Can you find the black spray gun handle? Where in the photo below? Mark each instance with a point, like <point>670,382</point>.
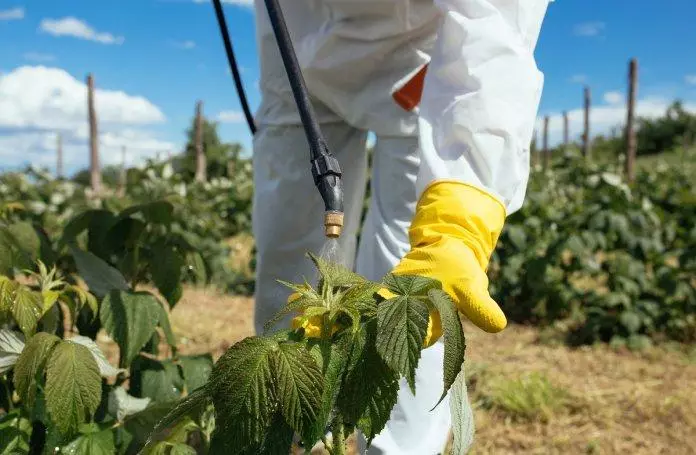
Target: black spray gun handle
<point>325,168</point>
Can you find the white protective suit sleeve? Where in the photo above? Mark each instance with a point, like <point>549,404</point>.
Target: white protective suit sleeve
<point>481,95</point>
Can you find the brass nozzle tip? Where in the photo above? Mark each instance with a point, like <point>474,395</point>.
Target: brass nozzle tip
<point>333,224</point>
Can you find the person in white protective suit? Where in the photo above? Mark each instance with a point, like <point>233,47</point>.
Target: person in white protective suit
<point>451,158</point>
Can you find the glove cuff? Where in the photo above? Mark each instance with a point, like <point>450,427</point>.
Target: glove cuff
<point>453,209</point>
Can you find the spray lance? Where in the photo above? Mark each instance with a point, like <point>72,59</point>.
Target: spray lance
<point>326,171</point>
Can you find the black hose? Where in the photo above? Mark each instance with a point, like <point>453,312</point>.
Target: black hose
<point>325,168</point>
<point>233,65</point>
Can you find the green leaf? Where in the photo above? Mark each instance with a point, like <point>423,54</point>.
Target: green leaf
<point>369,390</point>
<point>27,308</point>
<point>166,327</point>
<point>334,275</point>
<point>15,433</point>
<point>161,381</point>
<point>332,359</point>
<point>166,265</point>
<point>454,338</point>
<point>130,318</point>
<point>26,242</point>
<point>73,386</point>
<point>308,297</point>
<point>191,404</point>
<point>99,276</point>
<point>241,386</point>
<point>140,425</point>
<point>631,321</point>
<point>197,370</point>
<point>403,323</point>
<point>361,297</point>
<point>462,416</point>
<point>171,448</point>
<point>195,267</point>
<point>80,223</point>
<point>298,386</point>
<point>29,369</point>
<point>517,237</point>
<point>277,440</point>
<point>92,443</point>
<point>159,212</point>
<point>410,285</point>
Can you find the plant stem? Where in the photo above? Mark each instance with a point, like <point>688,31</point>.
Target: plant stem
<point>337,437</point>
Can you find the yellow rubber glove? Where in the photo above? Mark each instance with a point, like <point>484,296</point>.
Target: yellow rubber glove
<point>452,236</point>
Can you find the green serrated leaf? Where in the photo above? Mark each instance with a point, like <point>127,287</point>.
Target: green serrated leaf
<point>308,297</point>
<point>298,386</point>
<point>105,368</point>
<point>193,403</point>
<point>410,285</point>
<point>166,265</point>
<point>241,386</point>
<point>94,443</point>
<point>140,425</point>
<point>370,388</point>
<point>454,338</point>
<point>161,381</point>
<point>159,212</point>
<point>361,297</point>
<point>334,275</point>
<point>27,243</point>
<point>402,324</point>
<point>166,327</point>
<point>197,370</point>
<point>73,386</point>
<point>99,276</point>
<point>332,359</point>
<point>277,440</point>
<point>27,308</point>
<point>29,369</point>
<point>15,433</point>
<point>130,318</point>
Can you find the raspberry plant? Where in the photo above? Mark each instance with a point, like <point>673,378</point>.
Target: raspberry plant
<point>338,373</point>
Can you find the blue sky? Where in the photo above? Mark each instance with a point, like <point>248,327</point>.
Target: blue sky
<point>154,58</point>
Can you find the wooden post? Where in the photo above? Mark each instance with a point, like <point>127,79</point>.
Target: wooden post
<point>586,147</point>
<point>94,169</point>
<point>630,117</point>
<point>566,132</point>
<point>59,157</point>
<point>200,153</point>
<point>534,150</point>
<point>546,143</point>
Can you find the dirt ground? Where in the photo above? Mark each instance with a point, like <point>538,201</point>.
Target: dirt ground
<point>609,402</point>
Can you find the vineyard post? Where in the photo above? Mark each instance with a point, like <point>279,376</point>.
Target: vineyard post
<point>200,153</point>
<point>546,142</point>
<point>94,171</point>
<point>534,150</point>
<point>566,132</point>
<point>630,120</point>
<point>59,157</point>
<point>586,134</point>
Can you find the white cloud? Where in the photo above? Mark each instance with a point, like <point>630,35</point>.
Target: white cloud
<point>230,117</point>
<point>71,26</point>
<point>36,102</point>
<point>604,118</point>
<point>188,44</point>
<point>578,78</point>
<point>12,14</point>
<point>39,57</point>
<point>613,97</point>
<point>690,79</point>
<point>246,3</point>
<point>589,28</point>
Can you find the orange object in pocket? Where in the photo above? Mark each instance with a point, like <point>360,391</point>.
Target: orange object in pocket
<point>409,96</point>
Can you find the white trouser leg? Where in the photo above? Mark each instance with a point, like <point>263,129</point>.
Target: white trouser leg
<point>288,210</point>
<point>413,429</point>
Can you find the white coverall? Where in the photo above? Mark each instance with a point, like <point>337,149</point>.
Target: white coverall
<point>474,124</point>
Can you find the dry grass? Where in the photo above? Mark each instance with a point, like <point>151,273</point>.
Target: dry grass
<point>611,402</point>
